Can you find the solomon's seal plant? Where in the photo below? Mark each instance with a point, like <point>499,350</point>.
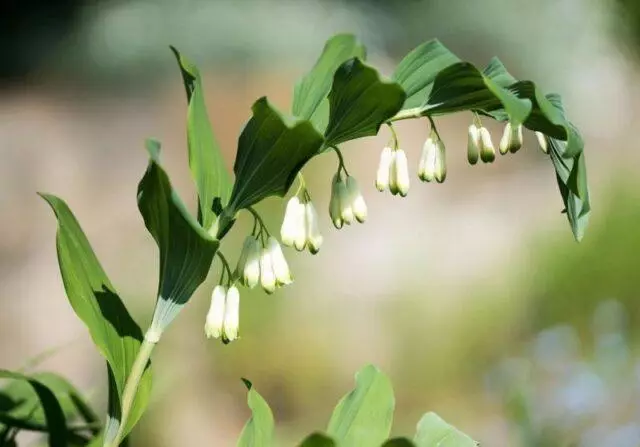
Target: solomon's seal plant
<point>339,100</point>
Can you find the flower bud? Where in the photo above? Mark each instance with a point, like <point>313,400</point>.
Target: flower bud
<point>279,263</point>
<point>215,317</point>
<point>441,162</point>
<point>334,203</point>
<point>426,166</point>
<point>300,231</point>
<point>231,325</point>
<point>399,181</point>
<point>384,168</point>
<point>542,142</point>
<point>288,229</point>
<point>358,205</point>
<point>267,275</point>
<point>487,151</point>
<point>314,238</point>
<point>249,263</point>
<point>511,139</point>
<point>473,145</point>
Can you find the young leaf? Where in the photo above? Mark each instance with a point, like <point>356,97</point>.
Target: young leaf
<point>398,442</point>
<point>205,158</point>
<point>360,102</point>
<point>318,440</point>
<point>258,431</point>
<point>93,298</point>
<point>435,432</point>
<point>416,72</point>
<point>462,87</point>
<point>311,91</point>
<point>186,249</point>
<point>271,151</point>
<point>54,415</point>
<point>364,416</point>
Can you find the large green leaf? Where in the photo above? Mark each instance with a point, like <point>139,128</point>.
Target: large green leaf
<point>364,416</point>
<point>435,432</point>
<point>95,301</point>
<point>271,151</point>
<point>417,70</point>
<point>186,249</point>
<point>310,93</point>
<point>360,102</point>
<point>205,158</point>
<point>258,431</point>
<point>318,440</point>
<point>53,414</point>
<point>463,87</point>
<point>497,72</point>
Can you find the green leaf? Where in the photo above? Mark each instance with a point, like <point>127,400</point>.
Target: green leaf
<point>360,102</point>
<point>95,301</point>
<point>463,87</point>
<point>417,71</point>
<point>398,442</point>
<point>435,432</point>
<point>186,249</point>
<point>310,93</point>
<point>497,72</point>
<point>318,440</point>
<point>258,431</point>
<point>364,416</point>
<point>54,415</point>
<point>271,151</point>
<point>205,158</point>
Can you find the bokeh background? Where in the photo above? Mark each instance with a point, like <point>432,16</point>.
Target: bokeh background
<point>472,295</point>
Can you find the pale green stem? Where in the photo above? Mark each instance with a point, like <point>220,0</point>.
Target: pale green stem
<point>131,386</point>
<point>416,112</point>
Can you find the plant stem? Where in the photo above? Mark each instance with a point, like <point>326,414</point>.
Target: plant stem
<point>408,114</point>
<point>131,386</point>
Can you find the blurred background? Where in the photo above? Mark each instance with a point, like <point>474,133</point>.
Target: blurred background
<point>472,295</point>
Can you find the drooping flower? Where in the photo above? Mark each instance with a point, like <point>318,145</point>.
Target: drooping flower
<point>473,145</point>
<point>427,164</point>
<point>511,138</point>
<point>231,324</point>
<point>384,169</point>
<point>399,175</point>
<point>356,200</point>
<point>441,162</point>
<point>487,151</point>
<point>289,230</point>
<point>542,142</point>
<point>248,268</point>
<point>314,238</point>
<point>278,262</point>
<point>215,317</point>
<point>335,205</point>
<point>267,275</point>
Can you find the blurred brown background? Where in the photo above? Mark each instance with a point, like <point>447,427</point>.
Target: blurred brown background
<point>471,295</point>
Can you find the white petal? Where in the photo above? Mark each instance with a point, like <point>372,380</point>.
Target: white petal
<point>427,168</point>
<point>314,238</point>
<point>542,141</point>
<point>358,205</point>
<point>251,272</point>
<point>215,316</point>
<point>393,175</point>
<point>473,144</point>
<point>384,168</point>
<point>300,231</point>
<point>487,151</point>
<point>267,275</point>
<point>279,263</point>
<point>401,172</point>
<point>505,141</point>
<point>334,204</point>
<point>346,209</point>
<point>287,231</point>
<point>231,324</point>
<point>441,162</point>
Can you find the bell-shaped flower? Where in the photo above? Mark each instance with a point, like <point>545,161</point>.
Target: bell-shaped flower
<point>338,194</point>
<point>314,238</point>
<point>231,324</point>
<point>248,268</point>
<point>215,317</point>
<point>278,262</point>
<point>473,145</point>
<point>511,140</point>
<point>487,151</point>
<point>300,239</point>
<point>542,142</point>
<point>399,175</point>
<point>384,169</point>
<point>427,165</point>
<point>267,275</point>
<point>441,162</point>
<point>289,230</point>
<point>355,200</point>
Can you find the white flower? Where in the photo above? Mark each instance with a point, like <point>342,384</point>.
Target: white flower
<point>300,238</point>
<point>267,275</point>
<point>231,325</point>
<point>355,199</point>
<point>384,169</point>
<point>338,190</point>
<point>427,165</point>
<point>215,317</point>
<point>511,139</point>
<point>288,230</point>
<point>441,162</point>
<point>314,238</point>
<point>399,176</point>
<point>473,145</point>
<point>249,262</point>
<point>278,262</point>
<point>487,151</point>
<point>542,142</point>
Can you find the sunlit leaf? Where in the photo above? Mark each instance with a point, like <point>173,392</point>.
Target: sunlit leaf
<point>93,298</point>
<point>271,151</point>
<point>360,102</point>
<point>317,440</point>
<point>258,431</point>
<point>205,158</point>
<point>435,432</point>
<point>186,249</point>
<point>418,69</point>
<point>364,416</point>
